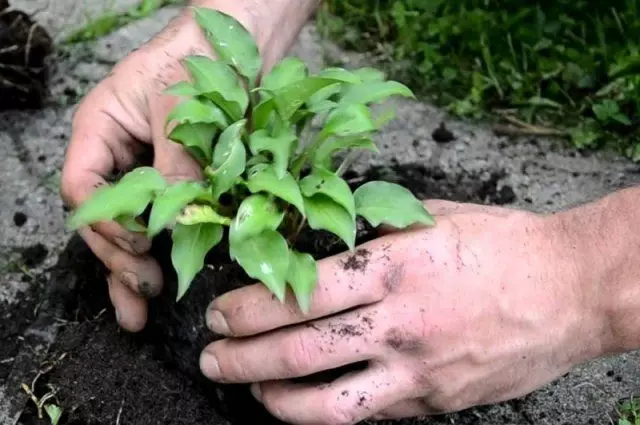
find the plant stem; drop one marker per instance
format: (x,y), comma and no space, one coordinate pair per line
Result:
(346,162)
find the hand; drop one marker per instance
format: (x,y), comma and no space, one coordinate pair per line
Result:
(485,306)
(113,123)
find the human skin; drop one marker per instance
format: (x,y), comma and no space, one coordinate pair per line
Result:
(489,304)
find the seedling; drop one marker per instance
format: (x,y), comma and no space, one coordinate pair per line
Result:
(267,176)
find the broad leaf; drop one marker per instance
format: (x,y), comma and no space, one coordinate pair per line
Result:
(322,106)
(262,113)
(217,81)
(327,183)
(367,74)
(322,157)
(190,247)
(374,92)
(291,97)
(265,257)
(348,120)
(324,94)
(263,178)
(389,203)
(323,213)
(196,138)
(198,111)
(228,139)
(198,214)
(130,223)
(232,41)
(129,197)
(169,203)
(340,74)
(182,88)
(225,176)
(279,146)
(302,278)
(289,70)
(255,214)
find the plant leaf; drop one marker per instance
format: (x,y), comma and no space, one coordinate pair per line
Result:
(302,277)
(229,159)
(279,146)
(216,81)
(190,247)
(291,97)
(340,74)
(322,156)
(389,203)
(289,70)
(169,203)
(255,214)
(265,257)
(182,88)
(327,183)
(54,412)
(262,113)
(130,223)
(130,196)
(196,138)
(367,74)
(263,178)
(229,137)
(348,120)
(198,214)
(323,213)
(198,111)
(374,92)
(232,41)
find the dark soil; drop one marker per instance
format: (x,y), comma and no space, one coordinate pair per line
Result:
(24,50)
(103,375)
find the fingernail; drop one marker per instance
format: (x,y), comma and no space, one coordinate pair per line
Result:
(256,392)
(209,365)
(217,323)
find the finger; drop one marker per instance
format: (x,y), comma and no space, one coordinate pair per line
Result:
(405,409)
(344,281)
(296,351)
(140,273)
(131,309)
(346,401)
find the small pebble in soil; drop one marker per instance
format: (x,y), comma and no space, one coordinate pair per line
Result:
(19,219)
(442,134)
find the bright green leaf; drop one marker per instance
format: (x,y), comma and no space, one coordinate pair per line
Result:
(169,203)
(130,223)
(289,70)
(262,113)
(348,120)
(54,412)
(374,92)
(199,214)
(265,257)
(190,247)
(255,214)
(263,178)
(323,213)
(198,111)
(327,183)
(291,97)
(367,74)
(322,155)
(130,196)
(389,203)
(196,138)
(302,277)
(279,146)
(340,74)
(232,41)
(225,176)
(182,88)
(228,139)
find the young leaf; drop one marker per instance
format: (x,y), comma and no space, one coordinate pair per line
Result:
(289,70)
(217,81)
(182,88)
(130,196)
(265,257)
(229,159)
(198,111)
(196,138)
(383,202)
(348,120)
(322,156)
(130,223)
(231,41)
(229,137)
(190,247)
(279,146)
(367,74)
(263,178)
(54,412)
(262,113)
(198,214)
(255,214)
(340,74)
(374,92)
(302,277)
(291,97)
(169,203)
(327,183)
(324,213)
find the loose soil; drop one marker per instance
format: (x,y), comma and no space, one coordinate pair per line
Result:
(106,376)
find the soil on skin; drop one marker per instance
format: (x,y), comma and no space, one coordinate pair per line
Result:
(24,49)
(103,375)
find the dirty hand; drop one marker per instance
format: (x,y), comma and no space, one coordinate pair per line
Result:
(122,114)
(486,306)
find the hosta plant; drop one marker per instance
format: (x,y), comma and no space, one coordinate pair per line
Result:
(267,175)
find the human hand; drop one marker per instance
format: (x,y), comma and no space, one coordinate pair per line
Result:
(486,306)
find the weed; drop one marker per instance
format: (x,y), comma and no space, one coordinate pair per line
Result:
(630,412)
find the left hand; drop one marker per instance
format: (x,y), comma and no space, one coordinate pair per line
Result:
(486,306)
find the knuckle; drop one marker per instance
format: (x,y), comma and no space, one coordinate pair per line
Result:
(300,357)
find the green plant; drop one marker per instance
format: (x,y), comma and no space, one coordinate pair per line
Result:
(267,174)
(630,412)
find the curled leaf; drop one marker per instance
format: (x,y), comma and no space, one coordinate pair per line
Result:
(302,277)
(255,214)
(322,156)
(279,146)
(199,214)
(169,203)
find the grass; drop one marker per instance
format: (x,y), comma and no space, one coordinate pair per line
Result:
(551,67)
(630,412)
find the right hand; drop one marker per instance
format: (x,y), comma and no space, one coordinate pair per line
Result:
(124,112)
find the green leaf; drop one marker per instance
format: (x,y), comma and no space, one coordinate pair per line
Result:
(302,277)
(348,120)
(367,74)
(383,202)
(265,257)
(323,213)
(190,247)
(289,70)
(327,183)
(322,156)
(199,214)
(262,113)
(374,92)
(54,412)
(182,88)
(198,111)
(196,138)
(229,159)
(229,137)
(279,146)
(130,196)
(130,223)
(232,41)
(340,74)
(217,81)
(255,214)
(169,203)
(291,97)
(263,178)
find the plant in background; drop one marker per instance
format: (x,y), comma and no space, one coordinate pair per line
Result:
(267,174)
